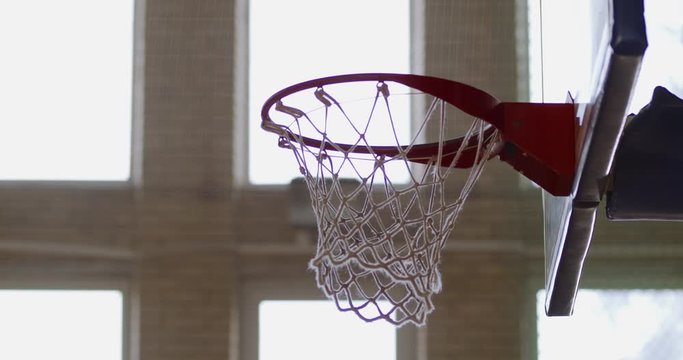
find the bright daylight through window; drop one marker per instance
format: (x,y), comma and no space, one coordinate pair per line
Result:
(298,40)
(665,44)
(614,324)
(314,329)
(66,88)
(61,324)
(661,63)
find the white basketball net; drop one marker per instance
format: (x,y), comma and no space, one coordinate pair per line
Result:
(379,239)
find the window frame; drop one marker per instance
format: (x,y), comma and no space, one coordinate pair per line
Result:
(240,163)
(136,112)
(611,269)
(128,349)
(410,340)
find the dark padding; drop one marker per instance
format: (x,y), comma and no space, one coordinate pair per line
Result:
(647,182)
(628,29)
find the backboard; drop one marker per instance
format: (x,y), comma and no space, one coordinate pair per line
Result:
(590,53)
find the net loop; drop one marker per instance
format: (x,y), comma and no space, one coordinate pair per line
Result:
(380,235)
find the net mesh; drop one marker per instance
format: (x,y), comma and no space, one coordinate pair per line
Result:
(380,236)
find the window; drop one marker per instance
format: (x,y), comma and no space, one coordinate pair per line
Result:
(66,89)
(273,313)
(614,324)
(321,332)
(294,41)
(61,324)
(562,61)
(665,43)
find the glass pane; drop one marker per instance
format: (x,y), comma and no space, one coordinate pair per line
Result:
(558,63)
(661,63)
(614,324)
(61,324)
(561,61)
(66,88)
(298,40)
(312,330)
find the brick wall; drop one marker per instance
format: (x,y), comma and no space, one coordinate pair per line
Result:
(185,306)
(478,314)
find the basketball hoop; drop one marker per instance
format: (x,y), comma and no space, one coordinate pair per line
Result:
(380,240)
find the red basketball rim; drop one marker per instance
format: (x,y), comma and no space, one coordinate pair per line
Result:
(470,100)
